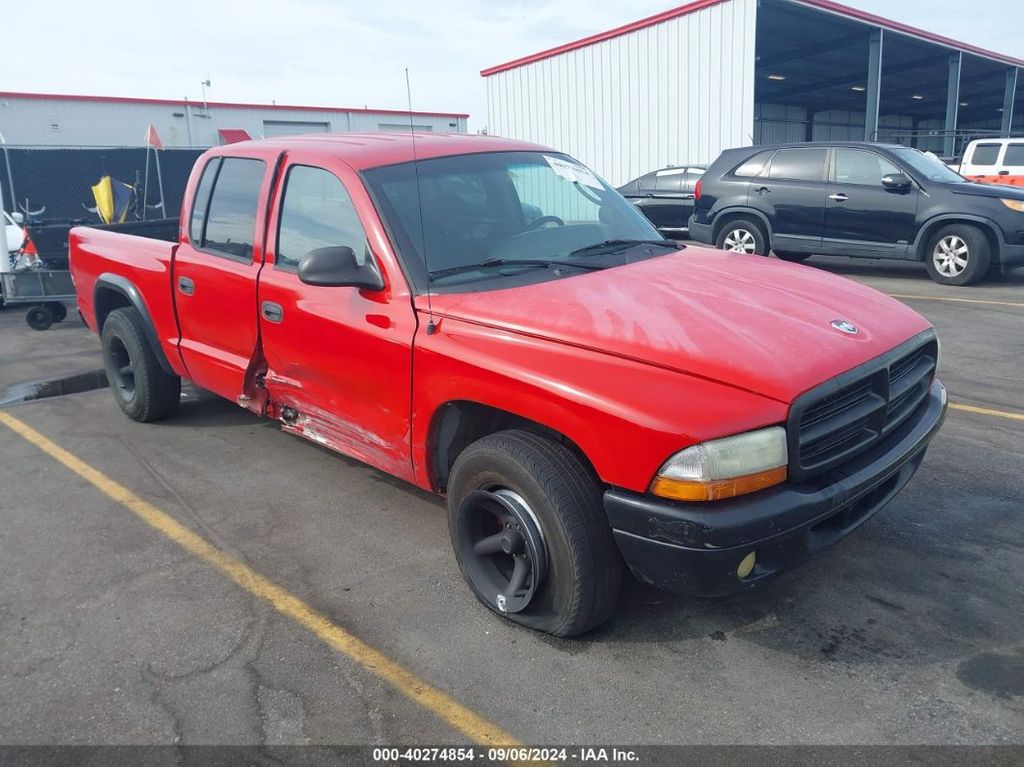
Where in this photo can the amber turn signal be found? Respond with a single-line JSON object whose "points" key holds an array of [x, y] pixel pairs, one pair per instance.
{"points": [[717, 489]]}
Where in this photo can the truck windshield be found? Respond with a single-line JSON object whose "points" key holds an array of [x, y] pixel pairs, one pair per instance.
{"points": [[931, 168], [495, 209]]}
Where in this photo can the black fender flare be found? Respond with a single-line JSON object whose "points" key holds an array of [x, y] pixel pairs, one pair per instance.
{"points": [[738, 210], [122, 285]]}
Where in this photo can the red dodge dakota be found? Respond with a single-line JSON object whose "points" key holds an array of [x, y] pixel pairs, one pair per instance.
{"points": [[489, 320]]}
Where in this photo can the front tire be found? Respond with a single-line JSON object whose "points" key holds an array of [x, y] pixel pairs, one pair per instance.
{"points": [[528, 528], [958, 254], [142, 389], [742, 235]]}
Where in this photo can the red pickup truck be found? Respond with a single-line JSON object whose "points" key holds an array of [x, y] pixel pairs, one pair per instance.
{"points": [[489, 320]]}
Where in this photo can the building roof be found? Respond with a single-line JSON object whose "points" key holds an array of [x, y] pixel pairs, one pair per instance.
{"points": [[373, 150], [828, 6], [223, 104]]}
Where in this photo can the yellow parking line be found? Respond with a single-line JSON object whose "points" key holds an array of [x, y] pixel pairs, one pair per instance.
{"points": [[987, 411], [1017, 304], [468, 722]]}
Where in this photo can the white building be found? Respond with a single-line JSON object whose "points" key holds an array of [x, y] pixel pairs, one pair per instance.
{"points": [[43, 119], [679, 87]]}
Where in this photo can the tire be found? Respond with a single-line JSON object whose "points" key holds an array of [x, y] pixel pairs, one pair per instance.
{"points": [[742, 235], [580, 565], [794, 258], [141, 388], [60, 312], [39, 317], [958, 254]]}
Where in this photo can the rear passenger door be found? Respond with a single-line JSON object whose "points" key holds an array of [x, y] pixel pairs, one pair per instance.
{"points": [[339, 359], [791, 192], [215, 270]]}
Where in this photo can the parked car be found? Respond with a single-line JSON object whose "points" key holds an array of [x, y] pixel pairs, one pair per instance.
{"points": [[666, 197], [859, 199], [585, 395], [994, 161]]}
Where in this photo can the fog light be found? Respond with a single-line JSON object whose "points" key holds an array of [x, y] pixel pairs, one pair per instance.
{"points": [[747, 565]]}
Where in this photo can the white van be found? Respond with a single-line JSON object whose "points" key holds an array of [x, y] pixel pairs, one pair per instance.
{"points": [[995, 161]]}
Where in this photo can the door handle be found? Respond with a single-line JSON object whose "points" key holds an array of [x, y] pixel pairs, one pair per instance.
{"points": [[272, 312], [1004, 173], [838, 197], [186, 285], [764, 190], [689, 196]]}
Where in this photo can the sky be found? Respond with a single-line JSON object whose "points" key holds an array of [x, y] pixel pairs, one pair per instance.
{"points": [[344, 53]]}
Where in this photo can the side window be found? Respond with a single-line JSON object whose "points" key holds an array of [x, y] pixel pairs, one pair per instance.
{"points": [[755, 165], [798, 165], [202, 201], [670, 181], [648, 184], [231, 219], [858, 166], [1014, 154], [316, 212], [985, 154]]}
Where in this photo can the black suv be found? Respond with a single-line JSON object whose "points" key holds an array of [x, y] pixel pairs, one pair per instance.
{"points": [[859, 199]]}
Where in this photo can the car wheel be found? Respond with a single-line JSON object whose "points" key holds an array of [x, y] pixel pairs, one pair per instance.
{"points": [[958, 254], [39, 317], [142, 389], [742, 236], [60, 312], [530, 534], [792, 257]]}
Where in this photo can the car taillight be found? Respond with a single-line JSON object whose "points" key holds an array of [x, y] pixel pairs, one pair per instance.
{"points": [[696, 189]]}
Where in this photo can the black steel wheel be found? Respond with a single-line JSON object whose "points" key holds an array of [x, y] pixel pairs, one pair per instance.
{"points": [[501, 547], [143, 390], [39, 317], [530, 534]]}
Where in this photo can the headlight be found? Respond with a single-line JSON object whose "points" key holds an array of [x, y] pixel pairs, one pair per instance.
{"points": [[724, 468], [1017, 205]]}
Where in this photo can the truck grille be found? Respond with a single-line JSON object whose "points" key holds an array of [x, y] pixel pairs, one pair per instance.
{"points": [[845, 416]]}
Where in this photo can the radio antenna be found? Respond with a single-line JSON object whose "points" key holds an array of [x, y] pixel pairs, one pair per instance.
{"points": [[431, 325]]}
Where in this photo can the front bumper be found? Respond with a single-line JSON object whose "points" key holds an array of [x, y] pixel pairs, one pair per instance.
{"points": [[695, 548], [1011, 255]]}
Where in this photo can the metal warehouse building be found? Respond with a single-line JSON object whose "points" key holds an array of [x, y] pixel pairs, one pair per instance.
{"points": [[41, 119], [681, 86]]}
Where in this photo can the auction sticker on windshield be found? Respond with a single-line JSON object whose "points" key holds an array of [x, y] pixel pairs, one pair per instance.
{"points": [[573, 172]]}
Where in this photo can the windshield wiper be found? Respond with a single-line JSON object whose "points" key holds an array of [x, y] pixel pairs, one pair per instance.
{"points": [[615, 246], [492, 262]]}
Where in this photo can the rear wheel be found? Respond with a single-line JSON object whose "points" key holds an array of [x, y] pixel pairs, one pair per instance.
{"points": [[39, 317], [142, 389], [530, 535], [60, 312], [742, 236], [958, 254]]}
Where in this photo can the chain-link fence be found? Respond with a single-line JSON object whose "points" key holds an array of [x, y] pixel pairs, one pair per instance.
{"points": [[55, 184]]}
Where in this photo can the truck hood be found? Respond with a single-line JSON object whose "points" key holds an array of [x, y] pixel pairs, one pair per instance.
{"points": [[754, 323]]}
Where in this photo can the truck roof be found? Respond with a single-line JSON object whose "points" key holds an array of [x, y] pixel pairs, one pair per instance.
{"points": [[371, 150]]}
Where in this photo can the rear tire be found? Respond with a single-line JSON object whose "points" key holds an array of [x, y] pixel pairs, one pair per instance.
{"points": [[141, 388], [579, 565], [958, 254], [60, 312], [794, 258], [742, 235], [39, 317]]}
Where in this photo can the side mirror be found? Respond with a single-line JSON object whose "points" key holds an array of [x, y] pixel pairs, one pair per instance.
{"points": [[337, 267], [897, 182], [18, 217]]}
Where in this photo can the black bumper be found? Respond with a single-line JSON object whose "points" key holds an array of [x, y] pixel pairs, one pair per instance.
{"points": [[700, 232], [1011, 255], [695, 548]]}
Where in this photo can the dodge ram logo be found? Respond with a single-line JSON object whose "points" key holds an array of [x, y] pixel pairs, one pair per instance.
{"points": [[844, 326]]}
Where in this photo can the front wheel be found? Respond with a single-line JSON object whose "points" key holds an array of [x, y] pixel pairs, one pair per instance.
{"points": [[530, 535], [742, 236], [958, 254]]}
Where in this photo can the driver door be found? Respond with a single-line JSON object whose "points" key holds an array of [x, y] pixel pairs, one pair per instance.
{"points": [[338, 358]]}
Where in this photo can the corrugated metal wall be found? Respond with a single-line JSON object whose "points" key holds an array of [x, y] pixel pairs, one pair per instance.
{"points": [[677, 92], [64, 122]]}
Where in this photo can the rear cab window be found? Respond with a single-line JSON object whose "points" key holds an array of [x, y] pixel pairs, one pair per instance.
{"points": [[223, 219]]}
